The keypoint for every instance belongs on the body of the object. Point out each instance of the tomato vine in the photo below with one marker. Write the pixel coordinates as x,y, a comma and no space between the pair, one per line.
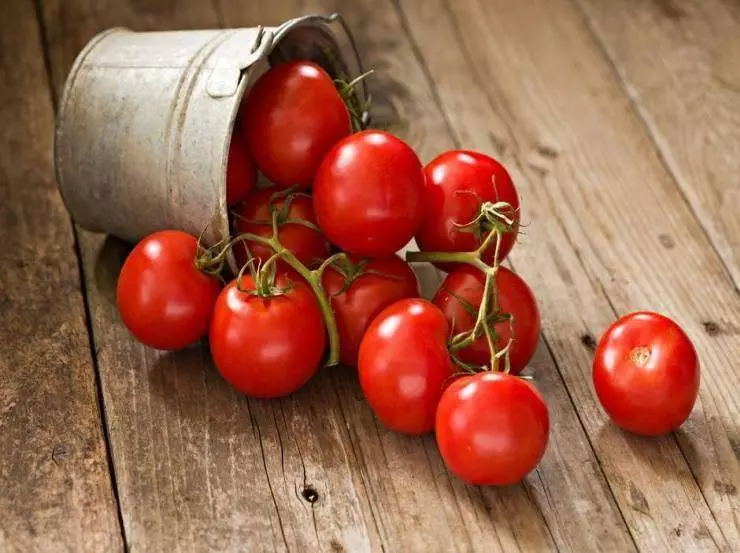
496,217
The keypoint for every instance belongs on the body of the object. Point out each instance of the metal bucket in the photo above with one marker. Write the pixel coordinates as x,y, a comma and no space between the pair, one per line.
144,126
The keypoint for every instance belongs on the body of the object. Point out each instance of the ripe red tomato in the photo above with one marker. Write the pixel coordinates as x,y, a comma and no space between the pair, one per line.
383,281
515,297
241,174
292,117
404,365
163,299
457,182
492,428
367,194
646,373
267,347
255,216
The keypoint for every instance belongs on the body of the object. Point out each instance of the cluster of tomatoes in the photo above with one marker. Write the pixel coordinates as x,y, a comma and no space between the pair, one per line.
321,283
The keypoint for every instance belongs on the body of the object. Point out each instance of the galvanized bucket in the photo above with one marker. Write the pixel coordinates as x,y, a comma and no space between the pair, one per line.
145,122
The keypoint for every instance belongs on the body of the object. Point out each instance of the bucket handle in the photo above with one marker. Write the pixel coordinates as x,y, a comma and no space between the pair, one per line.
224,79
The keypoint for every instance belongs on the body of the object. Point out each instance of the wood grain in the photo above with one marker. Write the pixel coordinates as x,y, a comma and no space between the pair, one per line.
55,488
198,466
680,64
393,466
527,81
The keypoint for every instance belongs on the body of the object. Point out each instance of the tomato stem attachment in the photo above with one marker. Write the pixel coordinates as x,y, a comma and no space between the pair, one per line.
214,264
496,216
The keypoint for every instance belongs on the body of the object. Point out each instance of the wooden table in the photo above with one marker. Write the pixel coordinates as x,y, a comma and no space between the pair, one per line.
620,122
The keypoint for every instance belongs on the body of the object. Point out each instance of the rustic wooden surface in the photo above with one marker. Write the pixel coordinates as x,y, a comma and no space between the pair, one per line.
55,483
619,122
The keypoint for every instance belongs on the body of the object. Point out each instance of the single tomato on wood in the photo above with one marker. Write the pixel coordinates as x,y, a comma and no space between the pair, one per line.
457,183
646,373
492,428
255,216
162,297
404,365
267,346
359,291
459,298
291,118
368,194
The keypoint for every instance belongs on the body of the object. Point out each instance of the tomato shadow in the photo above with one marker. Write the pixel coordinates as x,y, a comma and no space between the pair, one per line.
189,388
108,263
660,455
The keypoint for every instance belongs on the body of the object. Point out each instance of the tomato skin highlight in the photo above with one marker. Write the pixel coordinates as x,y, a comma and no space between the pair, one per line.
515,297
457,181
241,173
367,194
492,428
390,279
646,373
254,216
267,347
291,118
404,365
163,299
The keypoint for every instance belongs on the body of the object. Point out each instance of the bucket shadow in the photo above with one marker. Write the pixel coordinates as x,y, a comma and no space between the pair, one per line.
108,263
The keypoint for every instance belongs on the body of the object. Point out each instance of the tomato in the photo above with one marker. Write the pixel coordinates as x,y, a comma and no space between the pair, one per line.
357,300
462,290
404,365
646,373
457,182
163,299
367,194
267,347
241,173
292,117
255,216
492,428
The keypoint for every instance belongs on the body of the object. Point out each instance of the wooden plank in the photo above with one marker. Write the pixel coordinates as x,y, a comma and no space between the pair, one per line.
394,467
55,486
199,466
527,81
680,64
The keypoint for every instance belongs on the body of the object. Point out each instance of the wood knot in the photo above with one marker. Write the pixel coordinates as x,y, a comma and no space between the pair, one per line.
589,341
638,501
59,453
542,157
725,488
711,328
666,241
310,494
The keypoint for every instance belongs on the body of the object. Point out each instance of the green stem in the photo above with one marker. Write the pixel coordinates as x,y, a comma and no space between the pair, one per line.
481,326
489,301
313,278
471,258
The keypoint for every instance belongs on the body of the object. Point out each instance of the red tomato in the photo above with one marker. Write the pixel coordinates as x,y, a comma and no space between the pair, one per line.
646,373
163,299
255,216
292,117
383,281
466,284
241,173
492,428
367,194
457,182
404,365
267,347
